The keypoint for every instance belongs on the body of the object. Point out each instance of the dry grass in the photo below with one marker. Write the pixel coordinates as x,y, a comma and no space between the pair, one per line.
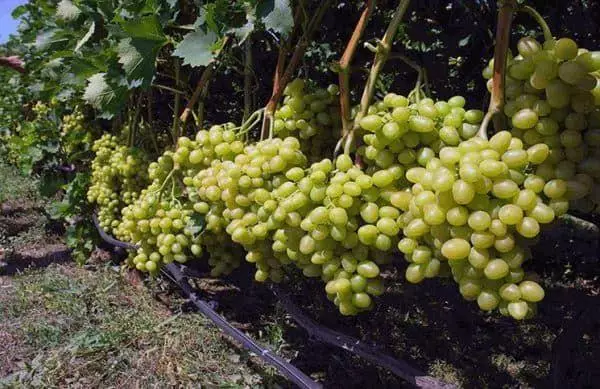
72,327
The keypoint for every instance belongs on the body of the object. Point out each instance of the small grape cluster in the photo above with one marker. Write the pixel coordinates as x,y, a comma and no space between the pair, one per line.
311,116
118,175
400,132
76,137
553,97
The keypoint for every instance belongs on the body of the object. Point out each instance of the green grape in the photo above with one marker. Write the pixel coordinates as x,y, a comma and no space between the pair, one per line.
565,49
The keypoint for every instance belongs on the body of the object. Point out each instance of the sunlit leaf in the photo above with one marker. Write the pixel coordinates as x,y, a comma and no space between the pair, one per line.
66,10
103,96
280,19
146,27
197,48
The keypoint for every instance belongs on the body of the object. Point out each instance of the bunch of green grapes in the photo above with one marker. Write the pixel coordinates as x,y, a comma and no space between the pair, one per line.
311,116
161,229
118,175
233,194
158,222
349,230
163,221
475,209
397,131
41,109
553,96
75,137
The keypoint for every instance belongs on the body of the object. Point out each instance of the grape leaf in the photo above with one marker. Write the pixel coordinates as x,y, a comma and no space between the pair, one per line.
146,27
103,96
52,39
66,10
280,18
138,57
18,12
197,48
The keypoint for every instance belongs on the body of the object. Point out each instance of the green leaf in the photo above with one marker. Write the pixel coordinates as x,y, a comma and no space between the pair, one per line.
196,224
197,48
49,39
146,27
19,11
86,37
280,19
102,96
465,41
83,68
67,11
138,57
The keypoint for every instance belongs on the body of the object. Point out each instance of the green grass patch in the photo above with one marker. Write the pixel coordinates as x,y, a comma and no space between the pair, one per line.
75,327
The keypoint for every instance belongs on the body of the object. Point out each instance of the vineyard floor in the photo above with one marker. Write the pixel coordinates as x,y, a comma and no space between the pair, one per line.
100,326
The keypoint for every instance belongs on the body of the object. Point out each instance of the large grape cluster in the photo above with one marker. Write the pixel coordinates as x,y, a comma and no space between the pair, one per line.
475,208
118,175
425,185
553,97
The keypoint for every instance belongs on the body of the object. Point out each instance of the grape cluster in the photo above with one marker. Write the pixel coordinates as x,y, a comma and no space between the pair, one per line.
168,229
118,175
400,132
553,97
476,208
75,135
233,194
311,116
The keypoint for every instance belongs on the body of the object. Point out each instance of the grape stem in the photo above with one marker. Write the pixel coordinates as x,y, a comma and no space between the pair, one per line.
269,111
505,16
202,84
134,121
251,122
281,79
539,19
344,66
164,183
421,75
382,53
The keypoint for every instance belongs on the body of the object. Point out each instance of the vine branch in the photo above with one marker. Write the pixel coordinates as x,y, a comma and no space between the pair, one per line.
344,65
505,15
280,82
381,55
176,127
201,85
247,77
